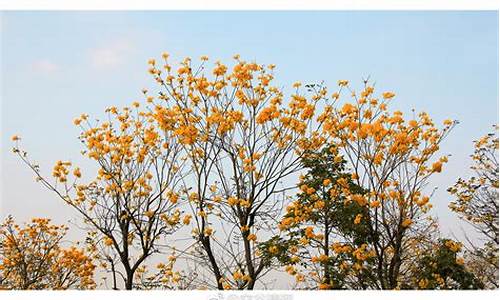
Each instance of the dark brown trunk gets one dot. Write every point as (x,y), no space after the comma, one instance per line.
(205,241)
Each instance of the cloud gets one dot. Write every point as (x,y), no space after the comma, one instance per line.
(111,55)
(45,66)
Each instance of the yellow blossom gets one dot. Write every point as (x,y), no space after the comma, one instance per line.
(358,218)
(388,95)
(252,237)
(187,219)
(406,222)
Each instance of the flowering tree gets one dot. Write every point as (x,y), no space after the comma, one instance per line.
(441,267)
(132,202)
(31,258)
(391,160)
(241,143)
(477,202)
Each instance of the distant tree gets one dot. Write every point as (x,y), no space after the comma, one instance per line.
(476,201)
(32,258)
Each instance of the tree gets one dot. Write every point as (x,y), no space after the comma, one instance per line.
(132,203)
(242,143)
(392,160)
(441,268)
(476,201)
(324,234)
(31,258)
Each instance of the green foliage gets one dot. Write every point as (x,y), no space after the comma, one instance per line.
(324,205)
(338,213)
(441,268)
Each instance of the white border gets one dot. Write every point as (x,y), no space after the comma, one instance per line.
(253,295)
(249,4)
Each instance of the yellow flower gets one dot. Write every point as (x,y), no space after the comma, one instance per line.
(423,201)
(453,246)
(343,82)
(232,201)
(413,123)
(348,109)
(77,173)
(310,191)
(237,275)
(323,286)
(173,197)
(252,237)
(323,258)
(406,222)
(360,199)
(358,218)
(319,204)
(437,166)
(309,232)
(290,270)
(193,196)
(187,219)
(423,283)
(388,95)
(108,241)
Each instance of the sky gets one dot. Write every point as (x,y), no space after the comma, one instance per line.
(57,65)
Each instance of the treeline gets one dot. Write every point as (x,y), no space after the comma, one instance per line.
(222,171)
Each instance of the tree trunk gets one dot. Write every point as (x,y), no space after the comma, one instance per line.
(215,268)
(129,280)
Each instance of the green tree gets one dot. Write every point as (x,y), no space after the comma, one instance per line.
(324,232)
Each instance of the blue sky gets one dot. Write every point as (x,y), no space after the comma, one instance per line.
(57,65)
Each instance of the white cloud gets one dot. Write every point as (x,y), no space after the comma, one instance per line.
(45,66)
(110,55)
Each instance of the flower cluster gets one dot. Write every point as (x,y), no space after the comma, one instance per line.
(31,257)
